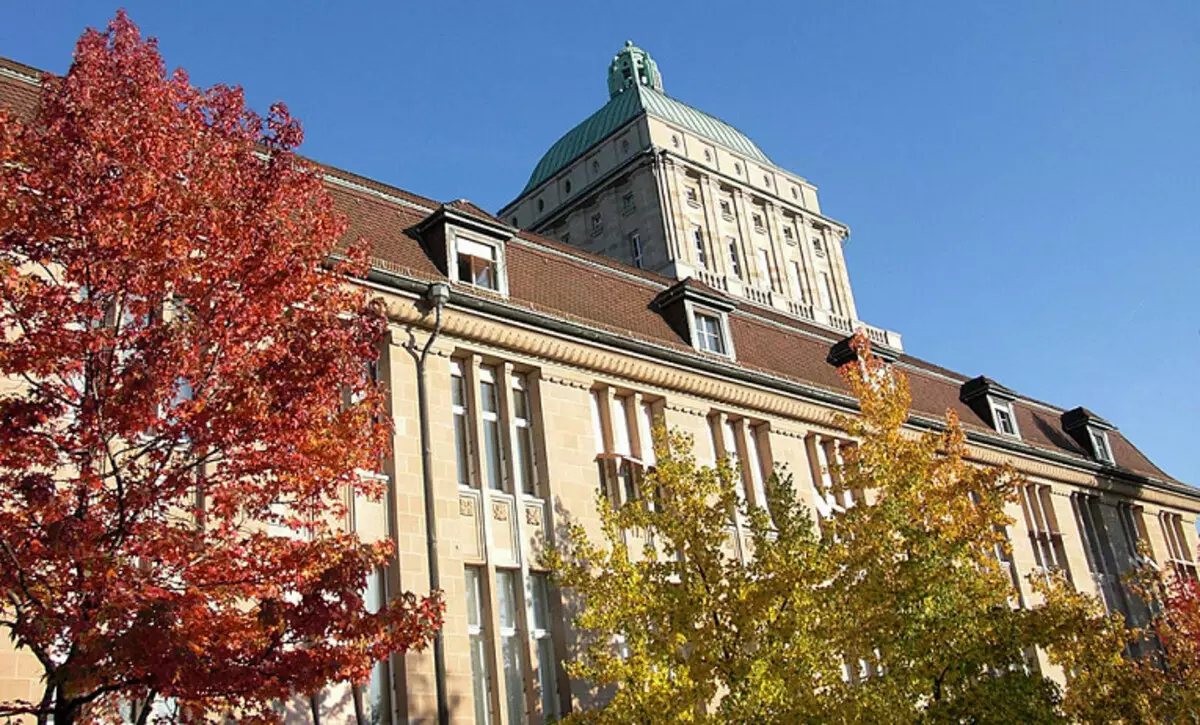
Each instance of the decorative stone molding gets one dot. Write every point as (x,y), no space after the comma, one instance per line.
(500,511)
(466,506)
(533,516)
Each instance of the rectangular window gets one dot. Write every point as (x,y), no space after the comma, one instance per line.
(826,291)
(1101,556)
(543,644)
(726,209)
(627,205)
(788,234)
(635,249)
(377,703)
(476,263)
(758,222)
(735,261)
(756,455)
(693,197)
(1179,553)
(1044,533)
(725,444)
(481,680)
(490,408)
(766,278)
(597,223)
(1002,414)
(1100,446)
(458,394)
(797,281)
(709,335)
(698,245)
(620,464)
(511,643)
(523,463)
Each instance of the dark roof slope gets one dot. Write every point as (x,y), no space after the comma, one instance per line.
(549,277)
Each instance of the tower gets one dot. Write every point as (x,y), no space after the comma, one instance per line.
(657,184)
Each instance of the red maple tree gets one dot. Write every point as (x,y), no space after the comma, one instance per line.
(187,405)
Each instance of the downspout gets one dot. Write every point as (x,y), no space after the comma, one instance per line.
(436,296)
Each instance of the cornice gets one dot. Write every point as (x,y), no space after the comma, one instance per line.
(591,350)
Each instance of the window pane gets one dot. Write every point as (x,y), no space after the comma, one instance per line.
(646,420)
(597,424)
(524,461)
(548,677)
(620,424)
(487,394)
(480,679)
(485,274)
(514,682)
(475,249)
(491,444)
(520,403)
(480,683)
(460,448)
(541,601)
(474,598)
(506,595)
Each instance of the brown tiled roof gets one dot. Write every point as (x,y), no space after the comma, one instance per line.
(556,279)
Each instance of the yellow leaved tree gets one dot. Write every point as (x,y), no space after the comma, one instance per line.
(895,609)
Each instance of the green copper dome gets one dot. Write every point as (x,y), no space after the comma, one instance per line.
(639,93)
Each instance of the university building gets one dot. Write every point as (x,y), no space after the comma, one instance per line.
(657,267)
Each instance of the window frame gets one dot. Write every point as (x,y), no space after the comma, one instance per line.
(628,206)
(1045,532)
(1001,408)
(596,224)
(696,313)
(1101,447)
(1179,557)
(735,258)
(499,262)
(699,248)
(637,254)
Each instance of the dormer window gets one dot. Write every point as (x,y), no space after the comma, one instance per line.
(993,403)
(477,263)
(1100,446)
(710,333)
(468,249)
(699,315)
(1091,432)
(1003,416)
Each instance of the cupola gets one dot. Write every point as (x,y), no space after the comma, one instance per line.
(632,66)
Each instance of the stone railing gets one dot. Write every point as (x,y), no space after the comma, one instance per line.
(762,297)
(801,310)
(880,336)
(716,281)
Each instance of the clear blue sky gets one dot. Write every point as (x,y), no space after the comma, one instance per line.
(1020,177)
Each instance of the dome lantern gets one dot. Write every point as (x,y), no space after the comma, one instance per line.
(631,66)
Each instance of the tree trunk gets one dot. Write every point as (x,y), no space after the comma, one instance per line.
(360,717)
(314,704)
(65,710)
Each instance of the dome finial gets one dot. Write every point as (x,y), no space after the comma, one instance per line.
(632,66)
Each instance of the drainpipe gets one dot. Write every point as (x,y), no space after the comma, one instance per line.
(436,296)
